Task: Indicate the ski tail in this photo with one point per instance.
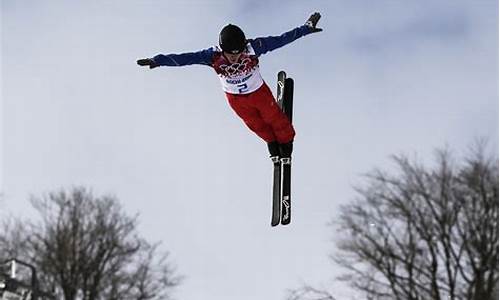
(288, 99)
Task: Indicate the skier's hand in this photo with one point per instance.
(147, 62)
(313, 21)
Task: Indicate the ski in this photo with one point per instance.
(286, 162)
(281, 207)
(276, 205)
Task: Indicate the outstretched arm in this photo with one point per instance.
(203, 57)
(263, 45)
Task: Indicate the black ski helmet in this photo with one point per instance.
(232, 39)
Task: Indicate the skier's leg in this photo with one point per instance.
(271, 114)
(251, 116)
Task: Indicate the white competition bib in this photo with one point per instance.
(242, 83)
(242, 77)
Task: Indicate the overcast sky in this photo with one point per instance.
(384, 77)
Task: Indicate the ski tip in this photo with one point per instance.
(285, 222)
(275, 222)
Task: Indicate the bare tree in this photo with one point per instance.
(424, 233)
(87, 248)
(12, 238)
(307, 292)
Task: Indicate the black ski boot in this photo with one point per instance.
(274, 151)
(286, 149)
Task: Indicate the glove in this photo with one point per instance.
(147, 62)
(313, 21)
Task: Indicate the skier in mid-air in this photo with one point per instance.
(236, 62)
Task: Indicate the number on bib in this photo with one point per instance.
(242, 88)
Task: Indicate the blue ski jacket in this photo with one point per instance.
(242, 77)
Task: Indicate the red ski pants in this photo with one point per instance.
(262, 115)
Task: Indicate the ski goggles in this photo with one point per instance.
(233, 51)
